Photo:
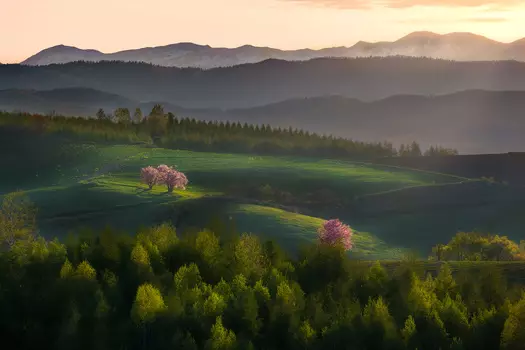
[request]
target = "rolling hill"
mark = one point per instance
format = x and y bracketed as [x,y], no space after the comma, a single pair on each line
[472,121]
[392,209]
[453,46]
[271,81]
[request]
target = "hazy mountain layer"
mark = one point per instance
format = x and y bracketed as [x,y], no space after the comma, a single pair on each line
[471,121]
[271,81]
[454,46]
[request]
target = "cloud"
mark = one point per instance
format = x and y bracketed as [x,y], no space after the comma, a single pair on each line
[399,4]
[486,19]
[454,20]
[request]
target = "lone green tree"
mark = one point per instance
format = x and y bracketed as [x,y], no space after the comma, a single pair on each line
[137,116]
[17,219]
[101,115]
[157,122]
[171,120]
[122,115]
[148,303]
[157,111]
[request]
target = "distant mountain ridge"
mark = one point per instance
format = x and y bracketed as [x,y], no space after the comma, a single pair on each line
[473,121]
[453,46]
[271,81]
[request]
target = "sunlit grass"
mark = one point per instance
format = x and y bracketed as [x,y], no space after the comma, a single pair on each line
[104,189]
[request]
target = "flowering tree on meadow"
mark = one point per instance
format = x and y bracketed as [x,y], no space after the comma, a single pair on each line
[175,179]
[334,232]
[150,176]
[164,175]
[171,178]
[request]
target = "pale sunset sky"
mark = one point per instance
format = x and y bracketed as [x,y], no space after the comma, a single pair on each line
[28,26]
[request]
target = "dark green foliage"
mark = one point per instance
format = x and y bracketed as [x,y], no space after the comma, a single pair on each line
[160,291]
[171,132]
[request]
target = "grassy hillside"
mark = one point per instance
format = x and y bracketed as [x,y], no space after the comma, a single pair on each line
[392,209]
[505,167]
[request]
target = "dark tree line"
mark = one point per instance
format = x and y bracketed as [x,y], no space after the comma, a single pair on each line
[166,130]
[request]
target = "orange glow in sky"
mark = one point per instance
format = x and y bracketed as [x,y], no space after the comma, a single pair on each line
[28,26]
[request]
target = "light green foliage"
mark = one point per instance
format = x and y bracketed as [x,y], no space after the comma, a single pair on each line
[36,249]
[306,333]
[289,297]
[454,315]
[261,291]
[444,283]
[239,284]
[409,330]
[224,289]
[159,239]
[249,256]
[421,297]
[86,271]
[378,320]
[214,305]
[208,245]
[513,335]
[377,278]
[86,250]
[140,256]
[285,294]
[221,338]
[17,219]
[402,311]
[483,324]
[67,270]
[148,303]
[472,246]
[187,277]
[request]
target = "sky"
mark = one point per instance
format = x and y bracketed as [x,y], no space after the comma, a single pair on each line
[28,26]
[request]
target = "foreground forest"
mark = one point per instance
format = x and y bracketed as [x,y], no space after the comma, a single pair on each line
[156,290]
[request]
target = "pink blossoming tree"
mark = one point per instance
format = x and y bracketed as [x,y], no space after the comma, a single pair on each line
[171,178]
[164,175]
[334,232]
[150,176]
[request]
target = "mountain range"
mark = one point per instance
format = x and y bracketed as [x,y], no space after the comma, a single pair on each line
[271,81]
[453,46]
[472,121]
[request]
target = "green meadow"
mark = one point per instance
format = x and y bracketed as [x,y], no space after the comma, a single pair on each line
[392,210]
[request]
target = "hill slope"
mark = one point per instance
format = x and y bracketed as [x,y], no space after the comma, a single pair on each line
[453,46]
[271,81]
[69,101]
[392,209]
[470,121]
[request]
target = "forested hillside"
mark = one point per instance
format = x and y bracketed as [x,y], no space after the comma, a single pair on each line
[271,81]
